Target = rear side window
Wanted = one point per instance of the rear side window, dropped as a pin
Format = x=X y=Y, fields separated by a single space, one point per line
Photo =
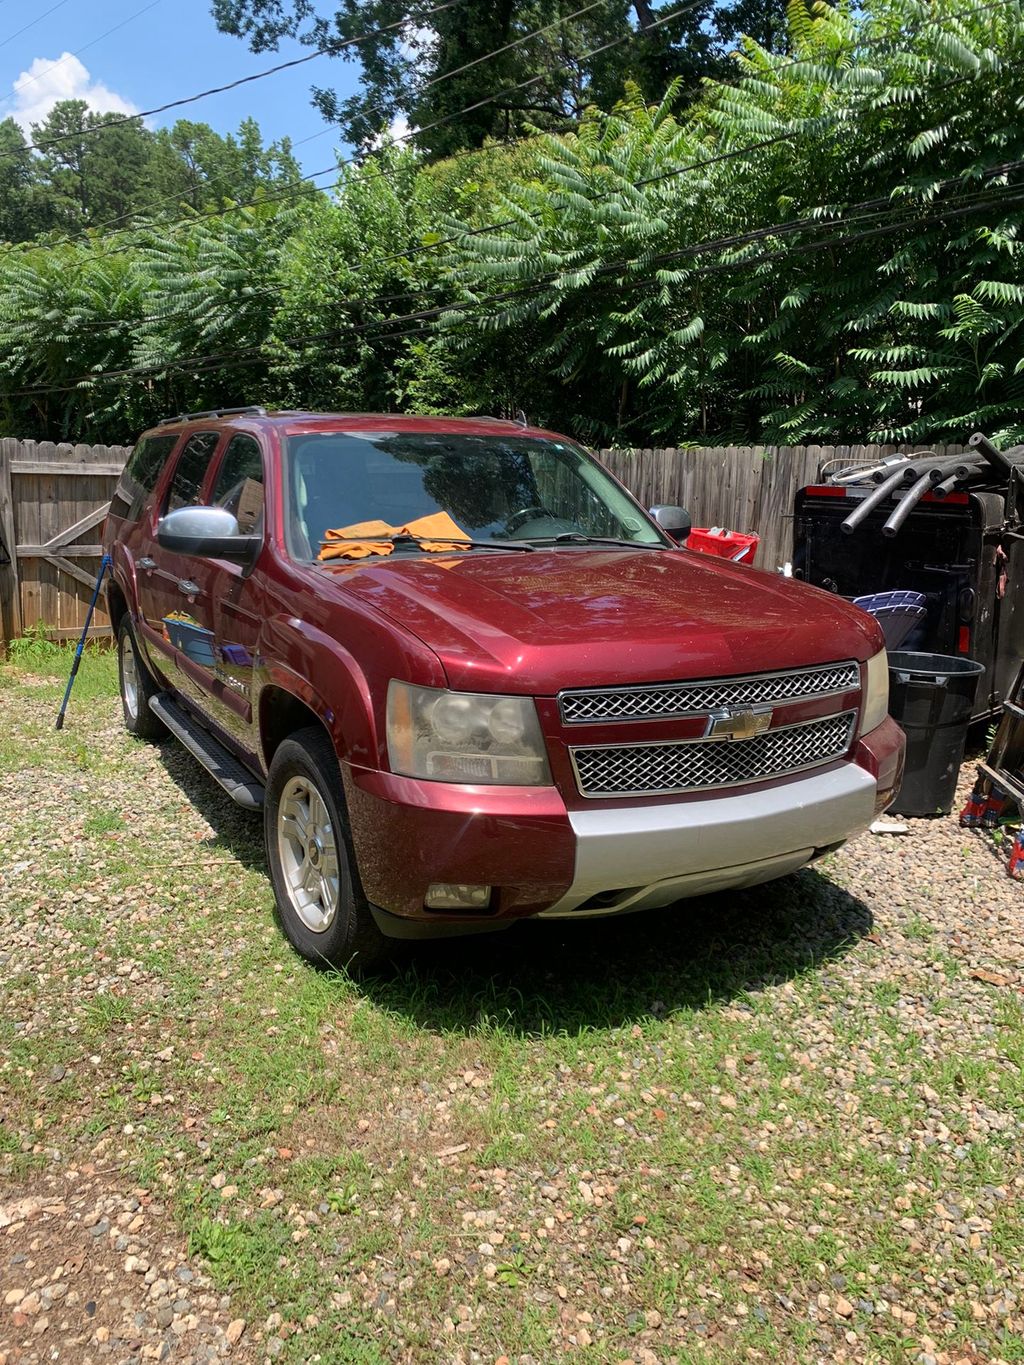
x=190 y=471
x=139 y=476
x=239 y=485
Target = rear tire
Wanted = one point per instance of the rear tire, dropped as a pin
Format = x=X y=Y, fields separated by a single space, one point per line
x=137 y=686
x=320 y=903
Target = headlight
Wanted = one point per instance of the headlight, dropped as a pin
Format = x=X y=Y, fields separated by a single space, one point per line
x=875 y=693
x=465 y=737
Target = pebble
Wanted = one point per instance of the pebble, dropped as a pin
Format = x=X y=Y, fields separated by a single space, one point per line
x=803 y=997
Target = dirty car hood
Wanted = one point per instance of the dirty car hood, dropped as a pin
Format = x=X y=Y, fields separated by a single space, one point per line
x=539 y=622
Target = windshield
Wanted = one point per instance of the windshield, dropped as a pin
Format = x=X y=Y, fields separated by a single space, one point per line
x=494 y=488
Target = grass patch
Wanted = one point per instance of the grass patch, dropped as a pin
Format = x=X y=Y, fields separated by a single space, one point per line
x=673 y=1133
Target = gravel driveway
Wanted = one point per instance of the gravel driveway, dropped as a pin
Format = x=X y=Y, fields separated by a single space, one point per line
x=784 y=1124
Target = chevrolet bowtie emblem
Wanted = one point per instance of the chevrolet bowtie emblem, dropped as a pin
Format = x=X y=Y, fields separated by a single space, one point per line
x=739 y=722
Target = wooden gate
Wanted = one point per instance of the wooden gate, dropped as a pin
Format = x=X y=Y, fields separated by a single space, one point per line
x=53 y=499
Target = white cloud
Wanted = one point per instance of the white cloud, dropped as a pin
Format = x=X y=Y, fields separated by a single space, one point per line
x=416 y=41
x=48 y=80
x=399 y=130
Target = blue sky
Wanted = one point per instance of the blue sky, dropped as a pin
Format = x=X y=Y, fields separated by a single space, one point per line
x=171 y=50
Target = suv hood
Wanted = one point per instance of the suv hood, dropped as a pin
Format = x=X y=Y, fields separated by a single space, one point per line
x=535 y=623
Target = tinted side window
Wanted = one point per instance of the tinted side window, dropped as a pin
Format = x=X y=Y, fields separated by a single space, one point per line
x=140 y=475
x=239 y=485
x=190 y=471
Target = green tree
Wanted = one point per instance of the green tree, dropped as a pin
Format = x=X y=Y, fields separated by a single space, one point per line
x=414 y=67
x=193 y=165
x=25 y=209
x=66 y=312
x=904 y=325
x=94 y=166
x=359 y=263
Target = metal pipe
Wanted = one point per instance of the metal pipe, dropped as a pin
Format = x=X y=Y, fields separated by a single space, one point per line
x=980 y=442
x=872 y=500
x=910 y=500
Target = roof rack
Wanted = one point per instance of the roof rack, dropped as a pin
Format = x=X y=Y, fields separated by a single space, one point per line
x=212 y=412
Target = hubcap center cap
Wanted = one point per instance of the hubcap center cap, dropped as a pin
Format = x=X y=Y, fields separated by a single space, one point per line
x=315 y=851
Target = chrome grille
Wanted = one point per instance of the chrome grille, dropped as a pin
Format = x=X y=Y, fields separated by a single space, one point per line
x=664 y=701
x=697 y=765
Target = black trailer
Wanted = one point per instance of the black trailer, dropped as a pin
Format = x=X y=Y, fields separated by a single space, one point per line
x=950 y=529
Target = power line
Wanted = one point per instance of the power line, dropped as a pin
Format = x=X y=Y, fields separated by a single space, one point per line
x=232 y=85
x=20 y=86
x=292 y=192
x=59 y=5
x=699 y=164
x=132 y=324
x=745 y=238
x=230 y=358
x=495 y=227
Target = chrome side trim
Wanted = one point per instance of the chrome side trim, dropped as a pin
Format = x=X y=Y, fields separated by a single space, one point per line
x=659 y=853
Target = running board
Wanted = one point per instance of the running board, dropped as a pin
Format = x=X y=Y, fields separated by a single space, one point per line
x=223 y=767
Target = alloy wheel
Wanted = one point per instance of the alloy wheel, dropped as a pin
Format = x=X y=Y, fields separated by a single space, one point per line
x=308 y=851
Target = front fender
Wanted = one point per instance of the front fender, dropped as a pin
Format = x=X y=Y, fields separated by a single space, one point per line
x=347 y=693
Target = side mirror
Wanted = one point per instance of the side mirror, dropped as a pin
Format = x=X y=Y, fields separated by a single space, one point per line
x=207 y=533
x=674 y=520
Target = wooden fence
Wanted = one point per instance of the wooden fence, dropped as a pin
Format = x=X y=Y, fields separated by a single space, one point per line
x=54 y=497
x=740 y=487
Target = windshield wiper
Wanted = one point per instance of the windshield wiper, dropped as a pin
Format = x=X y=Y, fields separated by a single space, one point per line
x=578 y=538
x=405 y=539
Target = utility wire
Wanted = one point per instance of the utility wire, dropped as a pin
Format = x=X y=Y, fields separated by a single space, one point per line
x=291 y=191
x=806 y=221
x=133 y=324
x=683 y=169
x=232 y=85
x=59 y=5
x=228 y=359
x=20 y=85
x=777 y=139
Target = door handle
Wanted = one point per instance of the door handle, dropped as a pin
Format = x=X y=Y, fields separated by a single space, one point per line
x=146 y=563
x=189 y=588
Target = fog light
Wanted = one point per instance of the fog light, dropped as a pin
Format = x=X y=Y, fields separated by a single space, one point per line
x=454 y=896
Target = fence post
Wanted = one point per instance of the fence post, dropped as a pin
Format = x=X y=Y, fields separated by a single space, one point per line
x=10 y=589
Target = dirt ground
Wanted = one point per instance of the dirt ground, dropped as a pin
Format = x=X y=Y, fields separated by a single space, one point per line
x=784 y=1124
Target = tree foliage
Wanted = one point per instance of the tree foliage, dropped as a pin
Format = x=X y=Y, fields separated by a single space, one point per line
x=826 y=247
x=512 y=65
x=98 y=170
x=892 y=309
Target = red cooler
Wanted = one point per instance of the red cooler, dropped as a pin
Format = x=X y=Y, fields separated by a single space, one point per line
x=714 y=540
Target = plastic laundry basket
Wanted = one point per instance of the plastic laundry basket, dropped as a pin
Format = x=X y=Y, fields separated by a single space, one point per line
x=931 y=696
x=898 y=613
x=738 y=546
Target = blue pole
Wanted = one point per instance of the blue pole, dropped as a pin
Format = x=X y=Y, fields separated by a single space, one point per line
x=105 y=563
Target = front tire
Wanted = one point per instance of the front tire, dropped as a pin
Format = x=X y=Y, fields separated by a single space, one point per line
x=137 y=686
x=320 y=902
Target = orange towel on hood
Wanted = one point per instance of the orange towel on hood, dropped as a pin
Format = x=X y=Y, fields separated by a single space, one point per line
x=362 y=539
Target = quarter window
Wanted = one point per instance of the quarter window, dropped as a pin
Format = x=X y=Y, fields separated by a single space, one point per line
x=239 y=485
x=139 y=476
x=193 y=462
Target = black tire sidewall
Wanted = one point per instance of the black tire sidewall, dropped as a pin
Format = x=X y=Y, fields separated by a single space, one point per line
x=145 y=725
x=352 y=940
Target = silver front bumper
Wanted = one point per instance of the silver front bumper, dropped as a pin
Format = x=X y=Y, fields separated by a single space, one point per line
x=638 y=857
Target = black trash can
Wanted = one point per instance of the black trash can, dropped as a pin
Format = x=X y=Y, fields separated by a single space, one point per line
x=931 y=697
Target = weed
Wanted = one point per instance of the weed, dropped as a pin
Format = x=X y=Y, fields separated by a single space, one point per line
x=34 y=651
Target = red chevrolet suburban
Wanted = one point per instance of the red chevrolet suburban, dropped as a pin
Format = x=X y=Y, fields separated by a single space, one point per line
x=469 y=679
